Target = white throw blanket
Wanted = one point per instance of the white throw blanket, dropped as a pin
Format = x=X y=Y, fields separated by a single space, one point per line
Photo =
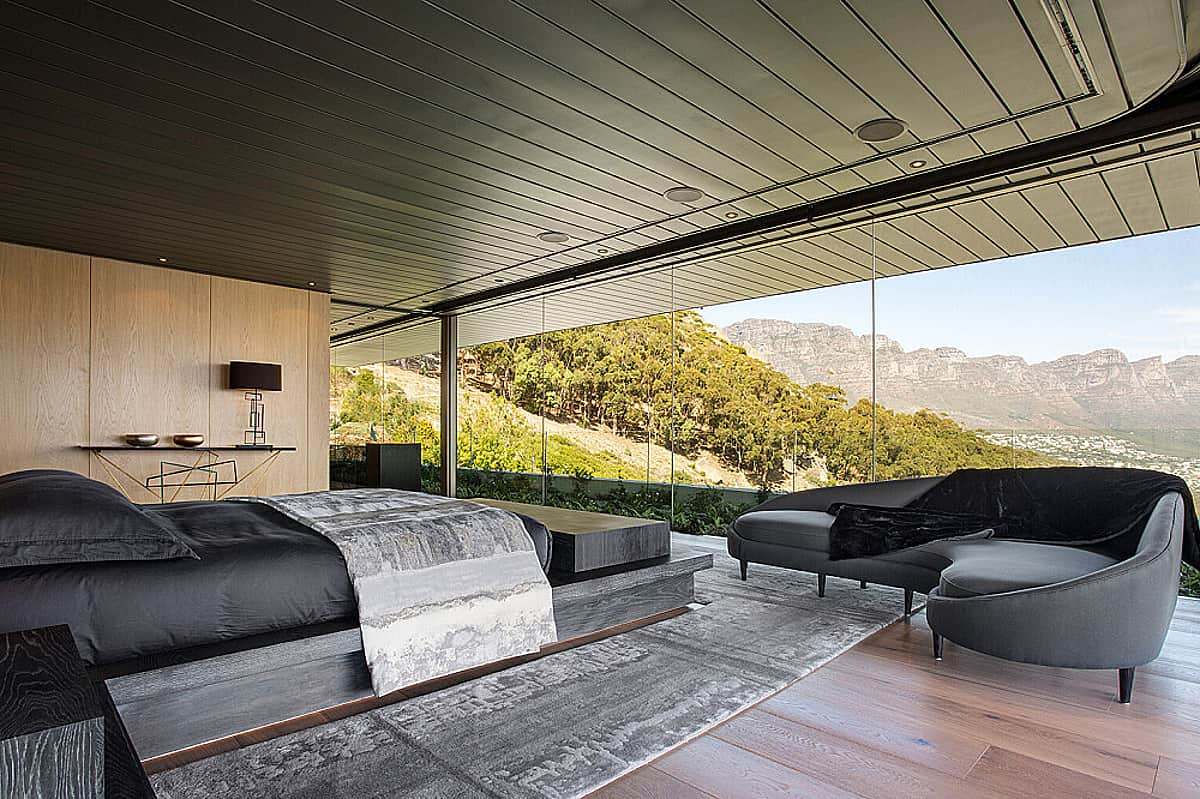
x=442 y=584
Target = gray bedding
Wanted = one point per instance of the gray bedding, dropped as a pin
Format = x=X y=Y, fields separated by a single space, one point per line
x=258 y=572
x=443 y=584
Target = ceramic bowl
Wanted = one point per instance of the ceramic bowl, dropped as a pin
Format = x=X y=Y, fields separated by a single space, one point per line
x=188 y=440
x=141 y=439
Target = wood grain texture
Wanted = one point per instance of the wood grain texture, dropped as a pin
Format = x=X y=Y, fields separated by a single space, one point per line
x=124 y=777
x=1177 y=779
x=317 y=455
x=149 y=365
x=92 y=349
x=60 y=761
x=43 y=359
x=1008 y=771
x=257 y=322
x=585 y=541
x=885 y=719
x=51 y=719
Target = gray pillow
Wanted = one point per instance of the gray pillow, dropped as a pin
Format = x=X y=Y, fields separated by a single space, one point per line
x=50 y=516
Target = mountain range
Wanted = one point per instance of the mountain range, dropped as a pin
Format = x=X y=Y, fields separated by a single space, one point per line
x=1101 y=390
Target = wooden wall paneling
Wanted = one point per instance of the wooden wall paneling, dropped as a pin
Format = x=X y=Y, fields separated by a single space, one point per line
x=258 y=322
x=149 y=366
x=43 y=359
x=318 y=391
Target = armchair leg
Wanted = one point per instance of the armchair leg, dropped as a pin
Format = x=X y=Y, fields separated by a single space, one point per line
x=744 y=565
x=1126 y=680
x=820 y=585
x=937 y=647
x=908 y=602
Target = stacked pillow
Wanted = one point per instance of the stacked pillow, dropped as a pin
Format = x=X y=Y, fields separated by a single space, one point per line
x=49 y=516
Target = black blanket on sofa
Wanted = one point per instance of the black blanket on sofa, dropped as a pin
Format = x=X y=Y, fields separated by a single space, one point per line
x=1069 y=504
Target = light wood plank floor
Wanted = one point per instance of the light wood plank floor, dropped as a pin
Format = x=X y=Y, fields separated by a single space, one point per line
x=886 y=720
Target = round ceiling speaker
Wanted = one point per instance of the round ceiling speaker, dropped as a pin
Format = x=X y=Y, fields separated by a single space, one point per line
x=883 y=129
x=683 y=194
x=554 y=237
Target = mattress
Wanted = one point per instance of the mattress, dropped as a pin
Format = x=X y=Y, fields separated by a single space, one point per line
x=258 y=572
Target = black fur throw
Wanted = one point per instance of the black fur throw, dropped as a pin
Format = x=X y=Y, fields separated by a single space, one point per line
x=1063 y=504
x=863 y=531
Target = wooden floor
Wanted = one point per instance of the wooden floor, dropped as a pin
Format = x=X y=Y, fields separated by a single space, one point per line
x=886 y=720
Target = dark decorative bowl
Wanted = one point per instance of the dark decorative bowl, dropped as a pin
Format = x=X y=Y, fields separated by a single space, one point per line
x=188 y=440
x=141 y=439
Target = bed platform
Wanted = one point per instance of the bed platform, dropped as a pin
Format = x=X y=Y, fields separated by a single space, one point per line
x=180 y=705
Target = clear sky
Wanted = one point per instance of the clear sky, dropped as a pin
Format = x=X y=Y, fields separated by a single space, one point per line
x=1140 y=295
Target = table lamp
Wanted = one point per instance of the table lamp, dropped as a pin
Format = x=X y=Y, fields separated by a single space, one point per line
x=255 y=378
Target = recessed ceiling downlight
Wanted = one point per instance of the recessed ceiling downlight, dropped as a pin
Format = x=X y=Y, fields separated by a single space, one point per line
x=162 y=260
x=883 y=129
x=683 y=194
x=918 y=163
x=554 y=237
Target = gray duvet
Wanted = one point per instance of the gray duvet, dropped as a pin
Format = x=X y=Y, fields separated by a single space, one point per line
x=442 y=584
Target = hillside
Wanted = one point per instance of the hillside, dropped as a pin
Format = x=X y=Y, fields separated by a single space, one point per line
x=751 y=417
x=1101 y=390
x=619 y=457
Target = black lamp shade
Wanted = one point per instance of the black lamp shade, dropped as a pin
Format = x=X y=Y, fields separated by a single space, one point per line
x=257 y=376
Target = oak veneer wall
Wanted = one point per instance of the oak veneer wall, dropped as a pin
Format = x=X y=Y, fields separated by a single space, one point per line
x=92 y=349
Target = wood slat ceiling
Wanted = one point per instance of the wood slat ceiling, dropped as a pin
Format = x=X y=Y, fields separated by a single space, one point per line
x=398 y=155
x=1153 y=190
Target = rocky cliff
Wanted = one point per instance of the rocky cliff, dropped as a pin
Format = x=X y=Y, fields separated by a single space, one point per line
x=1096 y=390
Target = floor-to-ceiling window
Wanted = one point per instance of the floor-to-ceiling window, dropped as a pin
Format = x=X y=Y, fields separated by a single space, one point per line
x=1086 y=356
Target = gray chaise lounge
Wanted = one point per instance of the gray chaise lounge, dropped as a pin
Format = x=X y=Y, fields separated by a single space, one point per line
x=1053 y=605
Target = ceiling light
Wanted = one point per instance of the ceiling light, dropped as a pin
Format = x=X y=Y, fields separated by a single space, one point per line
x=311 y=283
x=162 y=260
x=498 y=280
x=918 y=163
x=683 y=194
x=602 y=250
x=731 y=214
x=553 y=237
x=882 y=129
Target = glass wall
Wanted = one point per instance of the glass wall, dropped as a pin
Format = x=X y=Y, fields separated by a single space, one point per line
x=393 y=400
x=502 y=420
x=1085 y=356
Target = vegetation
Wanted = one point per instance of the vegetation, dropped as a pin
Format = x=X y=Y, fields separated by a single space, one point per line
x=706 y=512
x=622 y=377
x=1189 y=584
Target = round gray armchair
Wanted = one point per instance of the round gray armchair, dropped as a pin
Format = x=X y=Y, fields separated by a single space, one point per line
x=1113 y=618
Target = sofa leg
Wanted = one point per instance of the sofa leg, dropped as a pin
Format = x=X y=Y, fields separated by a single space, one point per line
x=1126 y=679
x=937 y=647
x=908 y=600
x=744 y=564
x=862 y=583
x=820 y=585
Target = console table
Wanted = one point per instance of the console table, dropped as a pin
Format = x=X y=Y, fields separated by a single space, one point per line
x=220 y=475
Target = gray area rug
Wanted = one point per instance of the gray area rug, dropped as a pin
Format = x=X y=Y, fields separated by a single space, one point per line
x=568 y=723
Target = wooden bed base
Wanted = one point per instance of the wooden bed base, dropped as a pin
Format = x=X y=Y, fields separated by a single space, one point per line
x=184 y=705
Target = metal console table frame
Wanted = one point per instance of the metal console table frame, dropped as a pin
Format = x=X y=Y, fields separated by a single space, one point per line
x=208 y=464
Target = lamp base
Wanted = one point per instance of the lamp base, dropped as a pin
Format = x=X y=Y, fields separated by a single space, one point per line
x=256 y=435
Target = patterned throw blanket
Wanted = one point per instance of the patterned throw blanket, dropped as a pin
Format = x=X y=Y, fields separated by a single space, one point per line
x=442 y=584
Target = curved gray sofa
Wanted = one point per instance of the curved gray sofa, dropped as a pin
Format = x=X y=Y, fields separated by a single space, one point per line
x=1105 y=607
x=1115 y=617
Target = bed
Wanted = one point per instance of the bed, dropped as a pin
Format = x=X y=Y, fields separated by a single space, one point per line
x=257 y=573
x=206 y=619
